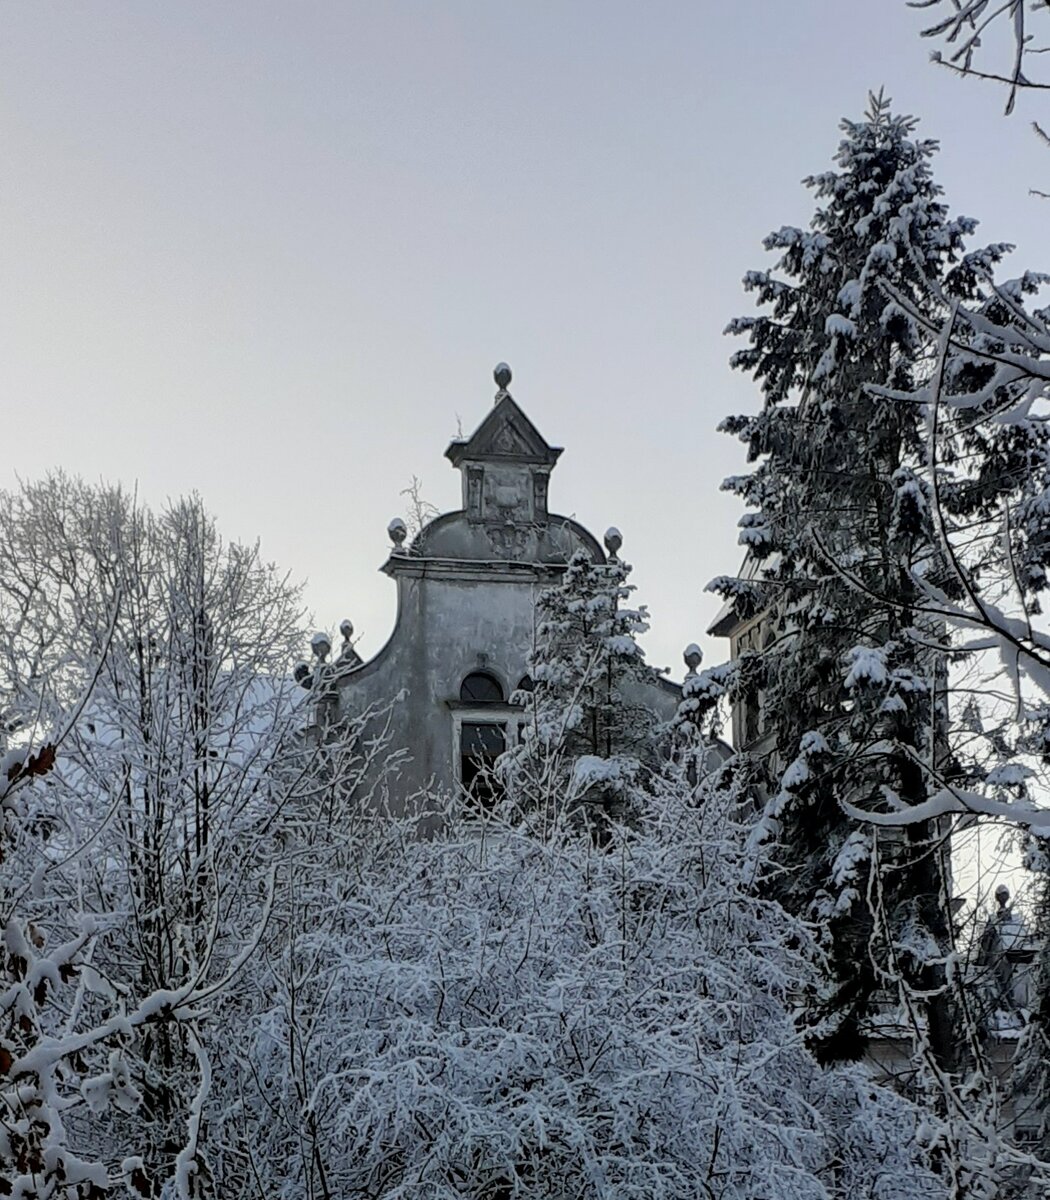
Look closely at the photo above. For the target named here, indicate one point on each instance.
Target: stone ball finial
(693, 656)
(398, 531)
(502, 376)
(346, 628)
(613, 540)
(321, 645)
(1002, 895)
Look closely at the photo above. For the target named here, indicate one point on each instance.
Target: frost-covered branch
(967, 27)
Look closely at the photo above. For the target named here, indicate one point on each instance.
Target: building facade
(467, 585)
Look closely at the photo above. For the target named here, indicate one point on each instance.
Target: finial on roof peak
(502, 377)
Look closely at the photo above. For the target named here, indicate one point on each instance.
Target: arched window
(479, 687)
(481, 739)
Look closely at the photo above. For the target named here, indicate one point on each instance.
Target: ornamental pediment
(506, 432)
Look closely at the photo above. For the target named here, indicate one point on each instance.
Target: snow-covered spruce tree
(174, 777)
(983, 486)
(588, 740)
(851, 688)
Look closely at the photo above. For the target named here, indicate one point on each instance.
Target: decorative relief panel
(509, 541)
(506, 495)
(508, 441)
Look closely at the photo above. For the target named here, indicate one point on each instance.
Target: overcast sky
(272, 251)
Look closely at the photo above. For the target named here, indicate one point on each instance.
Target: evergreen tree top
(880, 228)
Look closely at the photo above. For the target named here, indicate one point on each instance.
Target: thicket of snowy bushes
(491, 1014)
(223, 977)
(577, 994)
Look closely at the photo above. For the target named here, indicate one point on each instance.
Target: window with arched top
(480, 738)
(479, 687)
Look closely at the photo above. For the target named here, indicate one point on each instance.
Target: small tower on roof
(505, 464)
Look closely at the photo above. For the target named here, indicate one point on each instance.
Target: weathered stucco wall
(480, 618)
(446, 628)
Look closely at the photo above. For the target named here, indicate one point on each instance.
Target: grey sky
(271, 251)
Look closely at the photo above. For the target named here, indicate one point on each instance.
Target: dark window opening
(520, 696)
(479, 747)
(481, 688)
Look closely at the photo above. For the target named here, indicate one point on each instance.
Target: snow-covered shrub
(490, 1014)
